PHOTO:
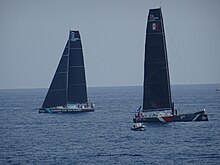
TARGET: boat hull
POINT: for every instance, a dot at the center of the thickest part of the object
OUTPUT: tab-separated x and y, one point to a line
65	110
138	129
190	117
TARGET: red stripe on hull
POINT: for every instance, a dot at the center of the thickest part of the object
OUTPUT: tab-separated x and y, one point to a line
167	119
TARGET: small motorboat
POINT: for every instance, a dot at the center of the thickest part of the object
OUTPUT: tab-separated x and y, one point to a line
138	127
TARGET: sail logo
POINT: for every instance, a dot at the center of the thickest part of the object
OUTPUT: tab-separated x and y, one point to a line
155	26
73	37
153	18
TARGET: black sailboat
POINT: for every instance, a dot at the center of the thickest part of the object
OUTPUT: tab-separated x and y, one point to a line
157	93
68	91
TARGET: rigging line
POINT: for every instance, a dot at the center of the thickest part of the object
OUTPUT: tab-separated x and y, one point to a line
180	57
160	3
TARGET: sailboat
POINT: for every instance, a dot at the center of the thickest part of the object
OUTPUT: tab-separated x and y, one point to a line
68	92
157	101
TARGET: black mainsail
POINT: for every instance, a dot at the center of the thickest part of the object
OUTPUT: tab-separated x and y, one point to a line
69	83
77	92
157	94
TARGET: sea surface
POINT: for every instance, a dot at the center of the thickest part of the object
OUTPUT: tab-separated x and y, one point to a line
105	137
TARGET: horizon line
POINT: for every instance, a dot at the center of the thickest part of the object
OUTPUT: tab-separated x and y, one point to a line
109	86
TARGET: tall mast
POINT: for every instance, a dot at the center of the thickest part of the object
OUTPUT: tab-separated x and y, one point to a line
67	86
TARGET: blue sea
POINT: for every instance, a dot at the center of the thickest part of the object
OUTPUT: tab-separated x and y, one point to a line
105	137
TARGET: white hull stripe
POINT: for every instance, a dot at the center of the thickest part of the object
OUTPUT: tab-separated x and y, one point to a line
161	119
196	117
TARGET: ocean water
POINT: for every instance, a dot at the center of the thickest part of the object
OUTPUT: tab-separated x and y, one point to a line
105	136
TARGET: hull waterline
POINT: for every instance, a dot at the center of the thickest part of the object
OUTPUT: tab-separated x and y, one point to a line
66	110
190	117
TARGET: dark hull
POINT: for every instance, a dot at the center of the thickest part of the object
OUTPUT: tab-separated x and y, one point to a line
49	110
199	116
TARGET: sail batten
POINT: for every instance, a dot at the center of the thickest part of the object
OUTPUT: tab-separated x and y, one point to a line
157	95
76	66
60	72
154	33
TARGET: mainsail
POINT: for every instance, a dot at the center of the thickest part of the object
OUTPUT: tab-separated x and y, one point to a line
69	83
157	95
77	92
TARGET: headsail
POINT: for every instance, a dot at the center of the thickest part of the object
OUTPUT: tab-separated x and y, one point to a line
69	83
56	94
157	95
